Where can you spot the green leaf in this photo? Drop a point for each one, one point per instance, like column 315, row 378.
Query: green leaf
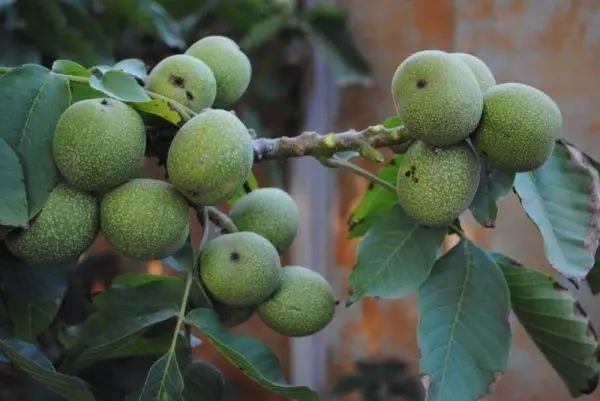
column 13, row 195
column 30, row 360
column 494, row 184
column 44, row 283
column 395, row 257
column 464, row 333
column 202, row 381
column 562, row 198
column 160, row 108
column 32, row 99
column 168, row 30
column 250, row 185
column 392, row 122
column 82, row 91
column 134, row 67
column 119, row 85
column 327, row 29
column 164, row 381
column 376, row 200
column 123, row 312
column 255, row 359
column 557, row 324
column 184, row 259
column 69, row 67
column 31, row 318
column 115, row 338
column 263, row 31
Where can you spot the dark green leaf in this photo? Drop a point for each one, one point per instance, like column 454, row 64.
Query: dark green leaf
column 464, row 333
column 556, row 323
column 164, row 381
column 134, row 67
column 160, row 108
column 328, row 31
column 119, row 85
column 43, row 283
column 202, row 381
column 115, row 338
column 31, row 318
column 69, row 67
column 263, row 31
column 32, row 99
column 494, row 184
column 13, row 195
column 255, row 359
column 562, row 198
column 124, row 311
column 395, row 257
column 250, row 185
column 376, row 200
column 30, row 360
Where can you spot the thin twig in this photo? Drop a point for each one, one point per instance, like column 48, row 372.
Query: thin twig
column 362, row 172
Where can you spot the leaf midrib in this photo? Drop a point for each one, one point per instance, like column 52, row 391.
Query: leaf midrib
column 388, row 259
column 30, row 111
column 457, row 314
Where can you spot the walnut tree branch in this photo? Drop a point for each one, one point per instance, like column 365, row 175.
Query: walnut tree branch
column 314, row 144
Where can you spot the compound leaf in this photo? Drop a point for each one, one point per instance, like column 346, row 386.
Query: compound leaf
column 119, row 85
column 32, row 99
column 395, row 257
column 562, row 198
column 494, row 184
column 202, row 381
column 556, row 323
column 30, row 359
column 255, row 359
column 376, row 200
column 13, row 194
column 464, row 333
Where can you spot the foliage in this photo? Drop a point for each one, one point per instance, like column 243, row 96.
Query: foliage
column 466, row 294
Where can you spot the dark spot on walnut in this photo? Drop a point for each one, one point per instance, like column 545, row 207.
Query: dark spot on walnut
column 416, row 180
column 104, row 102
column 407, row 173
column 189, row 96
column 177, row 81
column 234, row 256
column 421, row 83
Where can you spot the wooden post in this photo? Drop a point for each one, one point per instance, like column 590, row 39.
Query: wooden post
column 311, row 186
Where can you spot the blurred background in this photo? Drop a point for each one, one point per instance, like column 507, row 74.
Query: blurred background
column 326, row 65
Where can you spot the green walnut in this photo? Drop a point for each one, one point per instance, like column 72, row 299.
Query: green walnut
column 99, row 144
column 437, row 97
column 186, row 80
column 210, row 157
column 303, row 305
column 66, row 227
column 145, row 219
column 482, row 72
column 270, row 212
column 435, row 185
column 232, row 68
column 240, row 269
column 519, row 127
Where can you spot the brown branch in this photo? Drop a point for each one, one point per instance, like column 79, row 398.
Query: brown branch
column 314, row 144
